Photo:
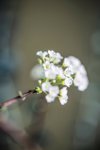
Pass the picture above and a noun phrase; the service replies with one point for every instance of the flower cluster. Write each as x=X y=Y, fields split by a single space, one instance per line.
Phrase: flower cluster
x=58 y=74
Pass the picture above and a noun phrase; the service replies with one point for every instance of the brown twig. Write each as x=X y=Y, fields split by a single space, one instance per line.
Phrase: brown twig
x=15 y=132
x=20 y=97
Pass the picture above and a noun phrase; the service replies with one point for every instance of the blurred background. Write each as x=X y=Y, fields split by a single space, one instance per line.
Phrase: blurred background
x=67 y=26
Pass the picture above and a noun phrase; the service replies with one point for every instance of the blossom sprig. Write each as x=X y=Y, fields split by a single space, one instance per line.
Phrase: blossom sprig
x=58 y=74
x=55 y=75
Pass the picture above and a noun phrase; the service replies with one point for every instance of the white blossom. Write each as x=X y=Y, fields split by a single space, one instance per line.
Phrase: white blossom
x=72 y=62
x=66 y=62
x=39 y=53
x=63 y=91
x=51 y=73
x=37 y=72
x=45 y=86
x=68 y=81
x=82 y=70
x=51 y=53
x=60 y=72
x=68 y=71
x=42 y=54
x=46 y=65
x=49 y=98
x=81 y=80
x=54 y=91
x=63 y=98
x=54 y=57
x=56 y=77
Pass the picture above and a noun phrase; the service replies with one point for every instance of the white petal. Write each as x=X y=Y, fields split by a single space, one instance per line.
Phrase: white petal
x=83 y=86
x=42 y=54
x=45 y=86
x=57 y=58
x=49 y=74
x=82 y=70
x=45 y=53
x=74 y=61
x=63 y=100
x=49 y=98
x=66 y=62
x=81 y=81
x=60 y=72
x=54 y=91
x=37 y=72
x=68 y=81
x=54 y=57
x=51 y=53
x=58 y=55
x=39 y=53
x=46 y=65
x=63 y=92
x=68 y=71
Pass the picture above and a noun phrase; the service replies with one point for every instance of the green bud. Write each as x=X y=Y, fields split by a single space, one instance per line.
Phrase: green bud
x=62 y=82
x=63 y=65
x=58 y=78
x=40 y=82
x=38 y=90
x=40 y=61
x=54 y=81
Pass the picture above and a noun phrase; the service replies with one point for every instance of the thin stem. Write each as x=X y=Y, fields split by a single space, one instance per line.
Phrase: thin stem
x=21 y=97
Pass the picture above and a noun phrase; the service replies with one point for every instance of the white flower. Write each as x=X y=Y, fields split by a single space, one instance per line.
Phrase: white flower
x=58 y=55
x=63 y=98
x=68 y=81
x=51 y=73
x=49 y=98
x=60 y=72
x=68 y=71
x=63 y=91
x=81 y=81
x=54 y=57
x=56 y=75
x=54 y=91
x=37 y=72
x=51 y=53
x=39 y=53
x=66 y=62
x=45 y=86
x=82 y=70
x=46 y=64
x=42 y=54
x=72 y=62
x=57 y=58
x=84 y=85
